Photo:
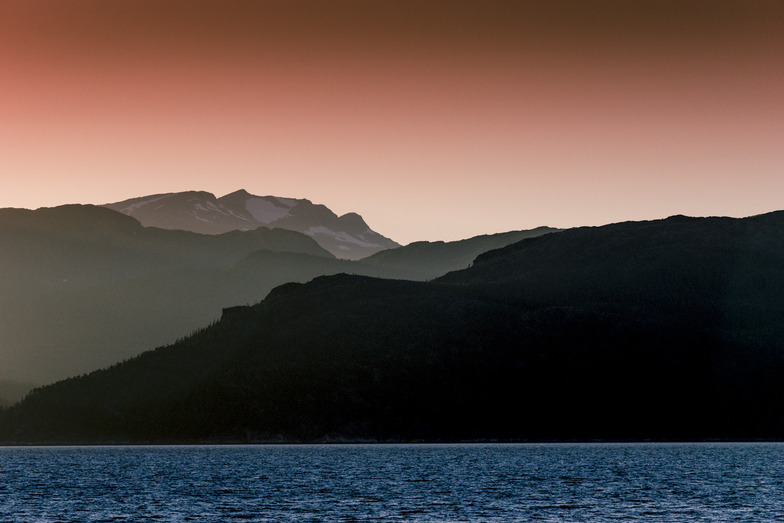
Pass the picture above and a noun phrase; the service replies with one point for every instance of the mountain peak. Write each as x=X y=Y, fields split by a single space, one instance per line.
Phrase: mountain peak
x=238 y=193
x=354 y=222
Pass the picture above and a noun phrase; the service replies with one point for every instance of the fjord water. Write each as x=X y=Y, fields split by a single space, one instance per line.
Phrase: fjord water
x=471 y=482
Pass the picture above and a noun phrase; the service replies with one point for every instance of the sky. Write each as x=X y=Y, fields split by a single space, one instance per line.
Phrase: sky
x=434 y=120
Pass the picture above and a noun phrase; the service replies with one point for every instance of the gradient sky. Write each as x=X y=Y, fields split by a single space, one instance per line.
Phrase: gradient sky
x=432 y=119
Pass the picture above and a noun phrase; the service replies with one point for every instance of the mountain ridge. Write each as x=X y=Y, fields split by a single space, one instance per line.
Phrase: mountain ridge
x=82 y=287
x=346 y=236
x=669 y=329
x=78 y=277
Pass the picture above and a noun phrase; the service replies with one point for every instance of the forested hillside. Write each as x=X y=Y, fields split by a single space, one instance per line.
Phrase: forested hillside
x=669 y=329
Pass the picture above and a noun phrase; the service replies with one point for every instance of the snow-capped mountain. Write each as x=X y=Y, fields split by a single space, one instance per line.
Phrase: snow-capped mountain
x=346 y=236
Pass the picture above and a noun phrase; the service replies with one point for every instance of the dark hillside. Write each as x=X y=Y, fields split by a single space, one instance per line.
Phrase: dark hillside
x=630 y=331
x=724 y=273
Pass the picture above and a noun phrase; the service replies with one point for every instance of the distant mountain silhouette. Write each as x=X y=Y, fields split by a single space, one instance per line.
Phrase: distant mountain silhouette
x=346 y=236
x=428 y=260
x=669 y=329
x=83 y=287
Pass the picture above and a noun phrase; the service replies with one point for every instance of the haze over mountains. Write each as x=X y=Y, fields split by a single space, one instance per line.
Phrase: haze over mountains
x=82 y=287
x=346 y=236
x=664 y=329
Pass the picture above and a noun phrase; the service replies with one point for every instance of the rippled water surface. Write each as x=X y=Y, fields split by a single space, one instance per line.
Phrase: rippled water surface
x=476 y=482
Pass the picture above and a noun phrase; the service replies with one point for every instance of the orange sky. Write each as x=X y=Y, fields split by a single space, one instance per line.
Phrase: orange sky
x=432 y=119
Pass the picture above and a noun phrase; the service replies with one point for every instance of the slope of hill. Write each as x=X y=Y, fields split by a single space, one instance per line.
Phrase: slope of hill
x=84 y=244
x=418 y=261
x=13 y=391
x=722 y=271
x=82 y=286
x=346 y=236
x=428 y=260
x=663 y=329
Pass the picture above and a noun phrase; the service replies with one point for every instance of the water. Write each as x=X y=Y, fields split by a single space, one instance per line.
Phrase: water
x=548 y=482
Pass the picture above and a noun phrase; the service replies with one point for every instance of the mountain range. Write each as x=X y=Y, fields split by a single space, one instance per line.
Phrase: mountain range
x=667 y=329
x=346 y=236
x=83 y=287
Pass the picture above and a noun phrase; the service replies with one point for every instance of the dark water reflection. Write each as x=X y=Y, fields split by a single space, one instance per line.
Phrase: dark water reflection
x=548 y=482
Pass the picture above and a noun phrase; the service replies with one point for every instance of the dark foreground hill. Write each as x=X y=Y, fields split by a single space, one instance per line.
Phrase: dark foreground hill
x=670 y=329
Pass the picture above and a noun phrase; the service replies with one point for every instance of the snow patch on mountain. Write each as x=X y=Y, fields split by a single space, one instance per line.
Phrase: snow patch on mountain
x=209 y=208
x=340 y=236
x=141 y=203
x=201 y=219
x=265 y=211
x=347 y=236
